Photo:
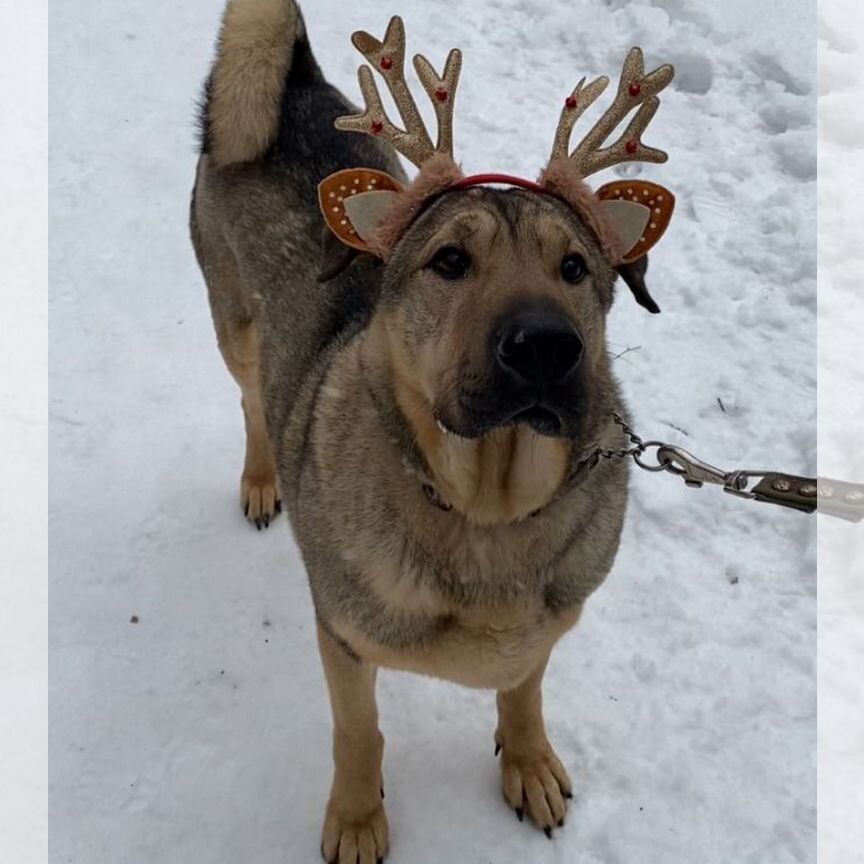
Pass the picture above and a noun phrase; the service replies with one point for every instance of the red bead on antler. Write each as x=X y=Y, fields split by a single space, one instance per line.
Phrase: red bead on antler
x=571 y=102
x=386 y=56
x=635 y=90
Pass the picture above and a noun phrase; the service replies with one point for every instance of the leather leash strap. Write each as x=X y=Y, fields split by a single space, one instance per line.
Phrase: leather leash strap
x=799 y=493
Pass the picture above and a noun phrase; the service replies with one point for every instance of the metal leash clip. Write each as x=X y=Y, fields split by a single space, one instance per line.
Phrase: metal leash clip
x=682 y=463
x=695 y=472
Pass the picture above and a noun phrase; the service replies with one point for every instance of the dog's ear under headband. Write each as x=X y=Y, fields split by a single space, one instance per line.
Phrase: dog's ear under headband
x=368 y=210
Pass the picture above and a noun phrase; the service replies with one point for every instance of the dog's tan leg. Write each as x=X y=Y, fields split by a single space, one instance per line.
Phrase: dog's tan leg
x=238 y=342
x=355 y=826
x=534 y=780
x=259 y=488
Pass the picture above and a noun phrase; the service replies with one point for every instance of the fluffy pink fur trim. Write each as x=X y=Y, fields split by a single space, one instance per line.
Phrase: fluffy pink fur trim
x=562 y=179
x=437 y=174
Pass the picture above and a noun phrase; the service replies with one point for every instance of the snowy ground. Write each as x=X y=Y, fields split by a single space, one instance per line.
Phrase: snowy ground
x=684 y=704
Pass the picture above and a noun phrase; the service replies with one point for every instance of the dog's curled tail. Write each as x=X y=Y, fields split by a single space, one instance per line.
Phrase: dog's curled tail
x=254 y=57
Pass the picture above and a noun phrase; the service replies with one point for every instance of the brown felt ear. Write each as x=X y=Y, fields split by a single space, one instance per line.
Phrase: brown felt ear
x=633 y=273
x=639 y=212
x=353 y=201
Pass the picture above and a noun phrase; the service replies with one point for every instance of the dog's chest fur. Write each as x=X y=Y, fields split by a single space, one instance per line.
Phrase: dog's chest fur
x=406 y=584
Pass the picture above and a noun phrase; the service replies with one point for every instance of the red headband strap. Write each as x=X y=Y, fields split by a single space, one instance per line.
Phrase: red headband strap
x=508 y=179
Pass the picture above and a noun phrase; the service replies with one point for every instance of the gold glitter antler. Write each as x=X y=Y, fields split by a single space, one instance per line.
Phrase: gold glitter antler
x=634 y=88
x=388 y=57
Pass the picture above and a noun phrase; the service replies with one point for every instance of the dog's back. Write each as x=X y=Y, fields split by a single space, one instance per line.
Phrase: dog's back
x=267 y=139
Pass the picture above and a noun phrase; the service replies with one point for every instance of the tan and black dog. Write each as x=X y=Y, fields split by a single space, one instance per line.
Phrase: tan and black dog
x=425 y=421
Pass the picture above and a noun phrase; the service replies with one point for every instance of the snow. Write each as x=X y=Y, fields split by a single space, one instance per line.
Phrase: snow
x=684 y=704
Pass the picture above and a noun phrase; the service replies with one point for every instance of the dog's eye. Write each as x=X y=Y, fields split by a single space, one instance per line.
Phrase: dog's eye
x=573 y=269
x=450 y=262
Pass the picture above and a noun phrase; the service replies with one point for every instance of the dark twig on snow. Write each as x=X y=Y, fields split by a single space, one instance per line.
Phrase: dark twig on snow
x=626 y=351
x=676 y=428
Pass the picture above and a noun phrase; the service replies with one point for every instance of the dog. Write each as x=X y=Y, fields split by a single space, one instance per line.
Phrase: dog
x=426 y=420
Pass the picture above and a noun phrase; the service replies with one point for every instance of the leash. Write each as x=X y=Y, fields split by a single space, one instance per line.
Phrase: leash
x=832 y=497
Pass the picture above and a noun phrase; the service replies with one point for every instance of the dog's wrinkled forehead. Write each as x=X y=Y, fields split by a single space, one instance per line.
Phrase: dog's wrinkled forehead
x=490 y=220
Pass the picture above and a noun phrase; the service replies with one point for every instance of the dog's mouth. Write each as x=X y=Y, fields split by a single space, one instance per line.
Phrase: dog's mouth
x=542 y=420
x=477 y=418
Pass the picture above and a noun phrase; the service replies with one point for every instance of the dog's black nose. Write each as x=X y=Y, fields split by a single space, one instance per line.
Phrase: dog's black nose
x=538 y=347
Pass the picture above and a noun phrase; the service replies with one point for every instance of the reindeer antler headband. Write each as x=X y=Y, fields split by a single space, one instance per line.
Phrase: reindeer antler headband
x=369 y=210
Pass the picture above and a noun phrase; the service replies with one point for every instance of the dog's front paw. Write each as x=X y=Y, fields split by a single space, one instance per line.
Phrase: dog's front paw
x=534 y=781
x=259 y=498
x=354 y=838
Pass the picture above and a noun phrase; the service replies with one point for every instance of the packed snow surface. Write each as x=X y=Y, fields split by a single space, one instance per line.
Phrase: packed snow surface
x=190 y=720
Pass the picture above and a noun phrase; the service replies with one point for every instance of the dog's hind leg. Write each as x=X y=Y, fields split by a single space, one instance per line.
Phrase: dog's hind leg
x=532 y=775
x=355 y=825
x=259 y=486
x=238 y=342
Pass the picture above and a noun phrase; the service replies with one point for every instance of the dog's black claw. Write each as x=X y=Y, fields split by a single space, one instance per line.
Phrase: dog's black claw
x=278 y=507
x=258 y=524
x=246 y=509
x=380 y=861
x=560 y=823
x=382 y=793
x=266 y=520
x=520 y=813
x=568 y=795
x=497 y=749
x=548 y=831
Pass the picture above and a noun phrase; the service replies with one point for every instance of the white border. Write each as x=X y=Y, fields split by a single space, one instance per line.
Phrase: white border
x=23 y=468
x=23 y=431
x=841 y=429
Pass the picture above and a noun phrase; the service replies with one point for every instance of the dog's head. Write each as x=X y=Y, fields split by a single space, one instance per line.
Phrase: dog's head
x=494 y=304
x=489 y=336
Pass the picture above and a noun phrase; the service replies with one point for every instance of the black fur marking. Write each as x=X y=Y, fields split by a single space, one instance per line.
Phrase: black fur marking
x=308 y=138
x=202 y=117
x=634 y=275
x=304 y=67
